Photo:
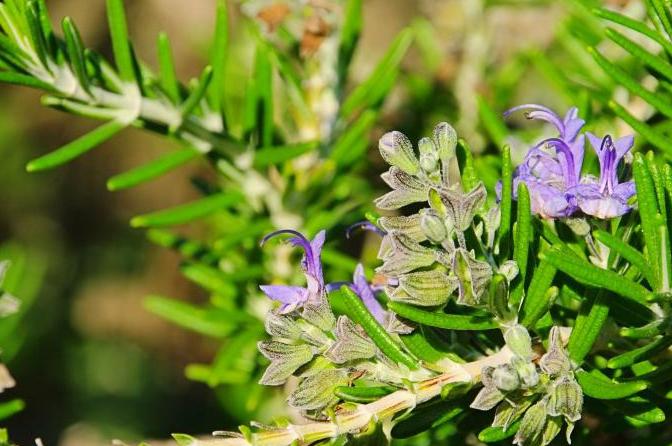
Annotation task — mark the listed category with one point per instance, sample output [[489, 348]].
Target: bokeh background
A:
[[94, 364]]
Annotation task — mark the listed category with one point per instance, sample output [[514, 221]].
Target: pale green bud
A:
[[566, 399], [552, 429], [473, 276], [519, 341], [433, 226], [397, 150], [487, 398], [317, 390], [527, 372], [445, 139], [429, 162], [555, 361], [498, 297], [506, 378], [532, 426], [461, 207]]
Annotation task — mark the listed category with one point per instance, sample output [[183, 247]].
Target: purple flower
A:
[[365, 226], [554, 165], [552, 170], [293, 297], [606, 197]]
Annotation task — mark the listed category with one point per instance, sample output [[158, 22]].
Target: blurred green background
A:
[[95, 364]]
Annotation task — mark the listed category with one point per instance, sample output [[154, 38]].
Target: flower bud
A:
[[519, 341], [433, 226], [527, 372], [506, 378], [445, 139], [555, 361], [566, 398], [552, 429], [509, 269], [397, 150], [429, 162], [498, 296], [426, 147], [532, 426]]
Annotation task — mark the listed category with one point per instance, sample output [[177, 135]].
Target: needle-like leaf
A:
[[188, 212], [358, 312], [599, 386], [121, 46], [152, 170], [442, 320], [77, 147]]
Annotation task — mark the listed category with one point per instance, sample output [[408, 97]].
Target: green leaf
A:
[[75, 49], [442, 320], [659, 64], [427, 417], [218, 58], [210, 278], [263, 87], [121, 47], [350, 31], [536, 302], [25, 81], [196, 96], [418, 344], [358, 312], [188, 212], [506, 203], [652, 135], [662, 12], [213, 323], [630, 254], [10, 408], [189, 249], [469, 176], [77, 147], [495, 433], [648, 211], [269, 156], [588, 326], [599, 386], [649, 330], [32, 17], [350, 146], [152, 170], [492, 122], [363, 394], [623, 78], [635, 25], [589, 274], [168, 77], [372, 91], [522, 239], [639, 410], [639, 354]]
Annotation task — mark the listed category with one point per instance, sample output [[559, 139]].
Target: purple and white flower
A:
[[552, 170], [295, 297], [605, 197]]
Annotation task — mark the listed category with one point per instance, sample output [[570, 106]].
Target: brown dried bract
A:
[[273, 15], [315, 31]]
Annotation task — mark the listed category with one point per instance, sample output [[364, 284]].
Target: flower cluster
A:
[[542, 396], [552, 170], [308, 341]]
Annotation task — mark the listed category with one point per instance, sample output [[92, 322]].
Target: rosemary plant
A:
[[295, 141], [483, 304], [512, 307]]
